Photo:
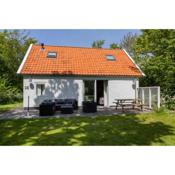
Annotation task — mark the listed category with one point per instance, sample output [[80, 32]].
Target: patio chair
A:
[[46, 108], [89, 106]]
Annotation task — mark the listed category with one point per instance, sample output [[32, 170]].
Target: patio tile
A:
[[21, 113]]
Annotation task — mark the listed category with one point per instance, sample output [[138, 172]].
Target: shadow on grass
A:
[[7, 107], [113, 130]]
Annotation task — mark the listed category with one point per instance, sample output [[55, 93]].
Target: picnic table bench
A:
[[128, 103]]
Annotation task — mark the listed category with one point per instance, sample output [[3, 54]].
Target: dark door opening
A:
[[100, 92]]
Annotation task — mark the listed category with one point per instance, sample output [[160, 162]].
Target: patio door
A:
[[100, 92], [89, 90], [96, 90]]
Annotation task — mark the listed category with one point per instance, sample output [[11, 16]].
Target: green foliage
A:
[[161, 111], [170, 103], [155, 52], [114, 46], [156, 43], [13, 46], [8, 93], [98, 44]]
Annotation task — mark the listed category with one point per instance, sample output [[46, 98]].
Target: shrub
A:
[[170, 103], [160, 110], [8, 93]]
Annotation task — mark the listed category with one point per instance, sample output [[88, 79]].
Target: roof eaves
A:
[[134, 62], [24, 59]]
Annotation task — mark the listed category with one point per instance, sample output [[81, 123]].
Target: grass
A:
[[7, 107], [142, 129]]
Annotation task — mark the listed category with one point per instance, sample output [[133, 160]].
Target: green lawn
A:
[[7, 107], [144, 129]]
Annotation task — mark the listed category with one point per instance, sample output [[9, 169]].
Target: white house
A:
[[102, 75]]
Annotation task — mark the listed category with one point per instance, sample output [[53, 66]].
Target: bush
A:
[[168, 102], [8, 93], [160, 110]]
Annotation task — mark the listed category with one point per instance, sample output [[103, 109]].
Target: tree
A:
[[98, 43], [155, 50], [13, 46], [128, 43], [156, 43], [114, 46]]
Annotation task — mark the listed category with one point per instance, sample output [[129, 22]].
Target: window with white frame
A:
[[40, 89], [110, 57], [51, 54]]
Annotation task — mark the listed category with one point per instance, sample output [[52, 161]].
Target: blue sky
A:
[[82, 38]]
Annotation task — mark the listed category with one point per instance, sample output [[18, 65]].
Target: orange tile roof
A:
[[79, 61]]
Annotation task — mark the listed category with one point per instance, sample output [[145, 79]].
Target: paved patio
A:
[[101, 111]]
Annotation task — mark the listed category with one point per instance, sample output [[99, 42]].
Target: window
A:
[[51, 54], [40, 89], [110, 57]]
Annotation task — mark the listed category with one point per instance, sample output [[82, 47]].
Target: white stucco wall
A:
[[122, 88], [55, 87], [73, 87]]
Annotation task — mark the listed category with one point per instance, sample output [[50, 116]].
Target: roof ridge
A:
[[79, 47]]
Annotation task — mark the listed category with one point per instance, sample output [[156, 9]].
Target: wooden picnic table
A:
[[128, 102]]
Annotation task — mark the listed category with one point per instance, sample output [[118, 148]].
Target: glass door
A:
[[89, 90]]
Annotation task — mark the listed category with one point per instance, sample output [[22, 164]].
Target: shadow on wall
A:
[[59, 89]]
